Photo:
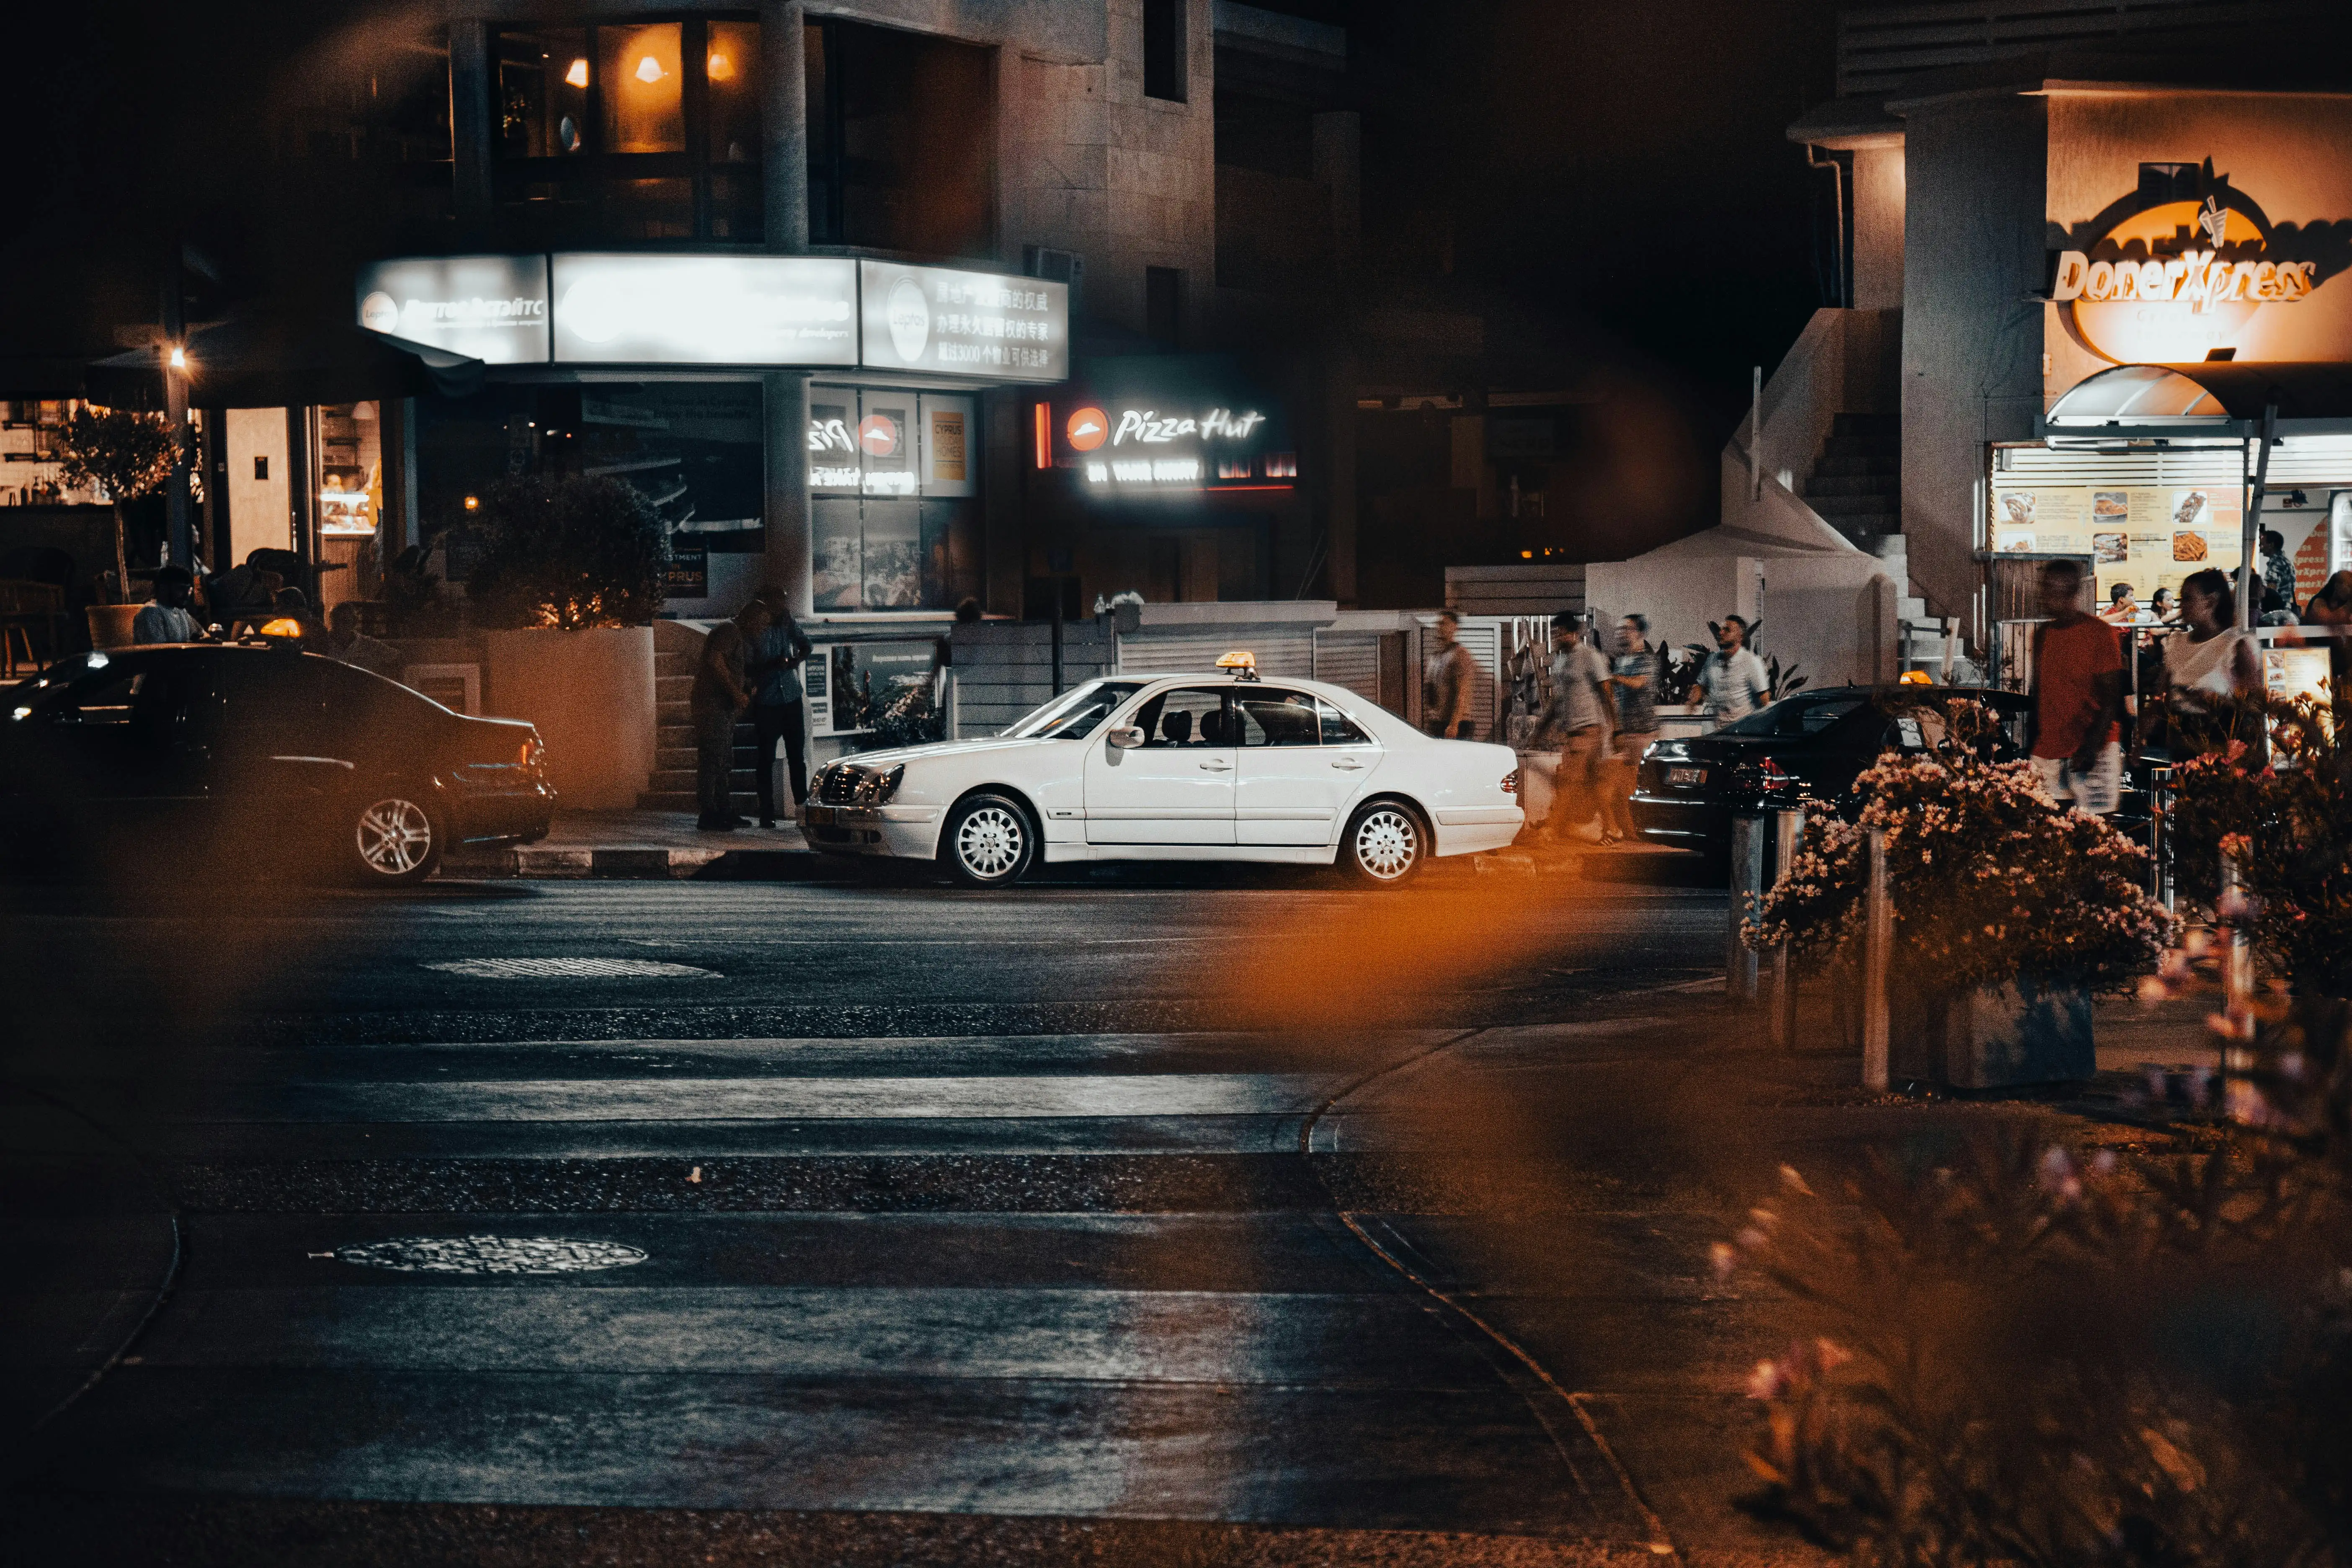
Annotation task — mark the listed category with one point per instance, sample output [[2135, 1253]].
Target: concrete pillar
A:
[[1338, 169], [469, 128], [1339, 469], [786, 401], [783, 78]]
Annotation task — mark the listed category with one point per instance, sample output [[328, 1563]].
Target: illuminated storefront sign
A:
[[489, 307], [704, 310], [1143, 445], [941, 319], [2174, 279], [889, 443]]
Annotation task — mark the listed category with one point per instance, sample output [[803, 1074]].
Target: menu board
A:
[[2151, 538]]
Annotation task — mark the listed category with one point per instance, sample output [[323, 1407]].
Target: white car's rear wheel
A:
[[396, 840], [1384, 845], [988, 842]]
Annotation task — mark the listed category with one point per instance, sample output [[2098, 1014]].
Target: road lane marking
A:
[[571, 969], [489, 1254]]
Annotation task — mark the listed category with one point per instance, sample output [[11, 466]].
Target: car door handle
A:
[[1217, 767], [1350, 764]]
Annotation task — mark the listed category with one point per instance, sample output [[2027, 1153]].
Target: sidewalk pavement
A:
[[665, 845]]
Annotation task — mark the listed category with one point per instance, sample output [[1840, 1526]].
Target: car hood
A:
[[896, 755]]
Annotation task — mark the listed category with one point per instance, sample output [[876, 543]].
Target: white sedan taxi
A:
[[1221, 766]]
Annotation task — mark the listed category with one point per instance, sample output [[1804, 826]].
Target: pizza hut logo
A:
[[878, 435], [1088, 429]]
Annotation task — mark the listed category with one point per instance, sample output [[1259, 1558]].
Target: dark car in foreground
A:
[[249, 756], [1808, 747]]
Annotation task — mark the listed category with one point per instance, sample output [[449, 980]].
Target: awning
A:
[[2203, 403], [281, 360]]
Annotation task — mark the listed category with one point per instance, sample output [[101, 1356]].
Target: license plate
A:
[[1677, 777], [822, 816]]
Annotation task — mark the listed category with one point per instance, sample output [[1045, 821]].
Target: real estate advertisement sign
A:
[[704, 310], [945, 321]]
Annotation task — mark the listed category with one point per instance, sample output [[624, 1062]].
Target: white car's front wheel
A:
[[988, 842], [1384, 844]]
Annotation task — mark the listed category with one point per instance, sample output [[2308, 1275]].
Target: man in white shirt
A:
[[165, 617], [1733, 677]]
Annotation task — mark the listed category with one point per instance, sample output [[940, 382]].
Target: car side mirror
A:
[[1126, 737]]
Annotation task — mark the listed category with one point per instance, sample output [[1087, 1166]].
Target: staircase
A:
[[1856, 487], [672, 785]]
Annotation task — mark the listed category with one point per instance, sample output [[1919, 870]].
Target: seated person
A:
[[346, 642]]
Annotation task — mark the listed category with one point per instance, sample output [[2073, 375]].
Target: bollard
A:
[[2237, 975], [1877, 946], [2160, 837], [1787, 835], [1747, 881]]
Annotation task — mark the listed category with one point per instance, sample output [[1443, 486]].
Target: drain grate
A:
[[491, 1254], [573, 968]]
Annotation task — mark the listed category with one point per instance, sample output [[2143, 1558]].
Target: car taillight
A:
[[1776, 777], [529, 757], [1511, 782]]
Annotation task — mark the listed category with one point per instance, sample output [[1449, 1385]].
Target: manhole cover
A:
[[573, 968], [491, 1254]]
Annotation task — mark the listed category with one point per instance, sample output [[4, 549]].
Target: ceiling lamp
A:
[[578, 75], [721, 69], [650, 71]]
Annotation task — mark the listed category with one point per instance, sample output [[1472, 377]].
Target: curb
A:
[[643, 863]]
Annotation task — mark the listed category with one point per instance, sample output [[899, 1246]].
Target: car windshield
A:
[[1797, 716], [1075, 715]]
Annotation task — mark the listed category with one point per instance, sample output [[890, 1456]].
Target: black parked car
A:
[[244, 755], [1807, 747]]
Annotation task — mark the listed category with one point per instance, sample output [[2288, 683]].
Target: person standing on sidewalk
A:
[[1633, 675], [1733, 677], [2078, 697], [1452, 678], [1579, 715], [773, 662], [720, 694]]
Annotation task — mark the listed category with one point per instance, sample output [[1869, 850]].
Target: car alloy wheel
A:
[[989, 842], [397, 841], [1384, 844]]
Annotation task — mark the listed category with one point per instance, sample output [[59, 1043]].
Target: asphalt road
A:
[[1133, 1218]]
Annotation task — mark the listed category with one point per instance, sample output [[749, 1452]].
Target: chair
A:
[[23, 605]]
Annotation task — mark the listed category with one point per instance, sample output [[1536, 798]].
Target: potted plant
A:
[[2009, 911], [565, 587], [128, 455]]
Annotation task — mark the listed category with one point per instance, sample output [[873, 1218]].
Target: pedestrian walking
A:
[[1633, 685], [720, 694], [2277, 569], [1447, 685], [1733, 677], [2078, 697], [165, 618], [1579, 718], [773, 665]]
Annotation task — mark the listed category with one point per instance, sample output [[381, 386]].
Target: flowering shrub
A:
[[2288, 824], [1988, 879], [2023, 1356]]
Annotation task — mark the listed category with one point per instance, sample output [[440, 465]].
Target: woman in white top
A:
[[2211, 661]]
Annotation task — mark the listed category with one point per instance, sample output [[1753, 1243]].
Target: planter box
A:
[[592, 695], [2030, 1030]]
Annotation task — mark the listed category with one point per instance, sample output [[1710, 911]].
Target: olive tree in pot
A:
[[565, 589], [129, 455], [2009, 911]]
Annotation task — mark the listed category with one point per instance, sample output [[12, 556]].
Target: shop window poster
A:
[[836, 570], [893, 558]]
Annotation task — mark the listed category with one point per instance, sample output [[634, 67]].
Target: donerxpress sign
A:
[[489, 307]]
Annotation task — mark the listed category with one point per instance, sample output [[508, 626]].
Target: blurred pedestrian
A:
[[1733, 677], [164, 617], [2331, 607], [1447, 686], [2075, 723], [345, 641], [1577, 719], [1633, 685], [2277, 569], [772, 661], [721, 693]]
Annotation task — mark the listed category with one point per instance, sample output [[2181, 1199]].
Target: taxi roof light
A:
[[283, 627], [1916, 678], [1242, 663]]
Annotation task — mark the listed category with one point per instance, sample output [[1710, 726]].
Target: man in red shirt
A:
[[2078, 697]]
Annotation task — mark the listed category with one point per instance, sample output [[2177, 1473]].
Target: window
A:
[[902, 153], [638, 131], [1338, 729], [1075, 715], [1796, 717], [1271, 717], [100, 699], [1163, 49], [1163, 306], [1189, 716]]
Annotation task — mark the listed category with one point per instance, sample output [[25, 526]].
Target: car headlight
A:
[[875, 787]]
